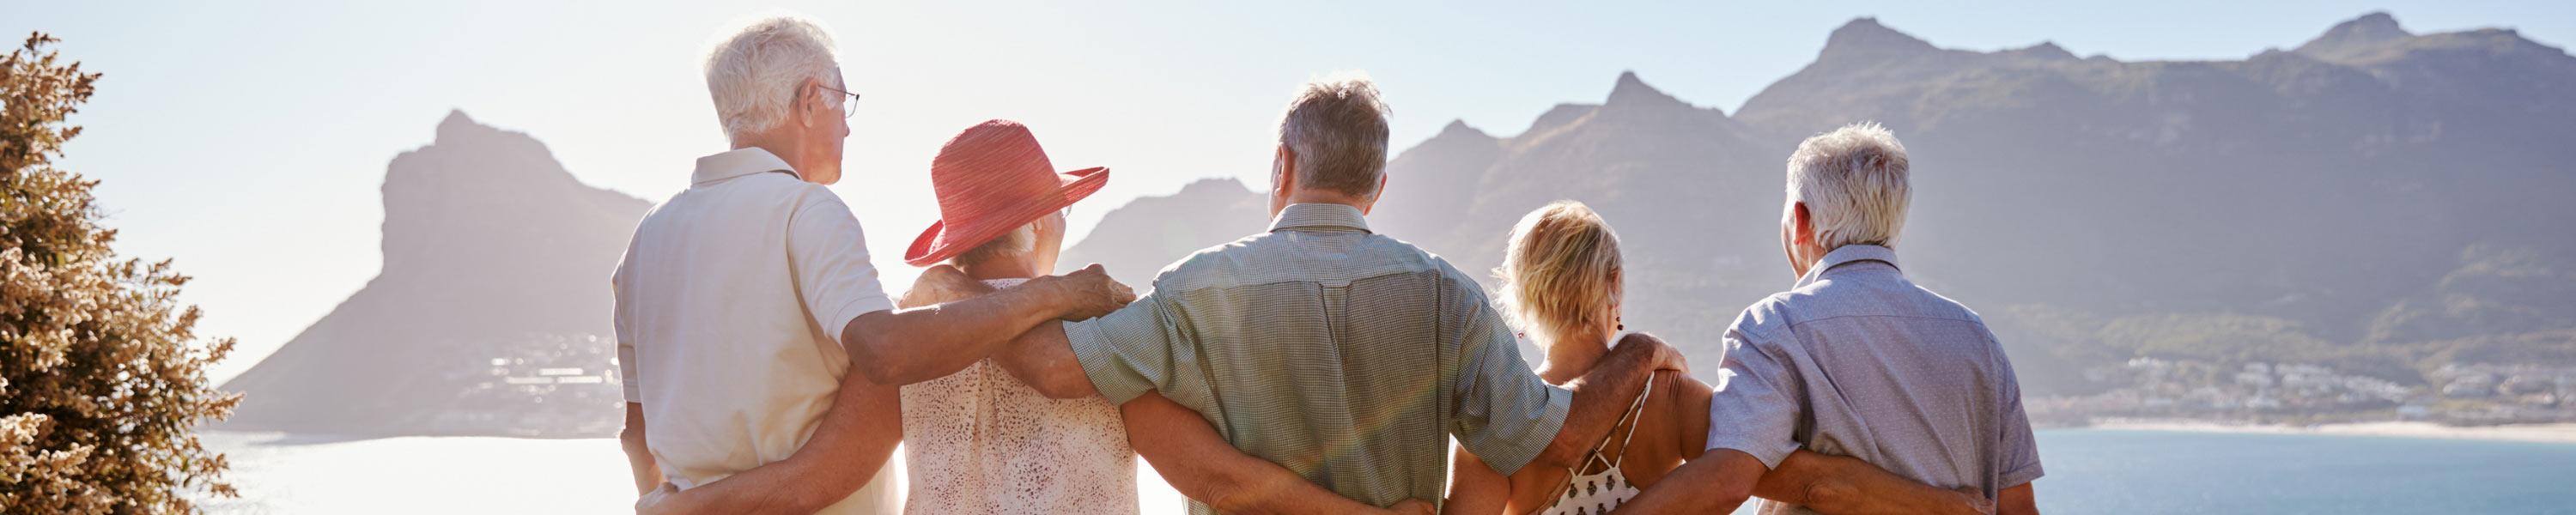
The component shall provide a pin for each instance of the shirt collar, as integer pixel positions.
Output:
(737, 163)
(1320, 216)
(1845, 255)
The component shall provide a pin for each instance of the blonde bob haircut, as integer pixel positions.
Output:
(1560, 271)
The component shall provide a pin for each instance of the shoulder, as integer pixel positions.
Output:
(1764, 319)
(803, 197)
(1944, 306)
(1206, 267)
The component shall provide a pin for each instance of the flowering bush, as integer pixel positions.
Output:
(102, 381)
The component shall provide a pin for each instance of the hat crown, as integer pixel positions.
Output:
(989, 167)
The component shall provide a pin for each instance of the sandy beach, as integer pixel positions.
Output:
(2541, 433)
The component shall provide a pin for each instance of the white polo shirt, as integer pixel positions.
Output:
(730, 305)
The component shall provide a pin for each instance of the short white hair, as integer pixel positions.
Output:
(753, 72)
(1853, 181)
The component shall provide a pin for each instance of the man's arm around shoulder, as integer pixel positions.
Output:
(1602, 395)
(914, 345)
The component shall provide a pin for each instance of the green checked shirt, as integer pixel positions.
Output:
(1348, 357)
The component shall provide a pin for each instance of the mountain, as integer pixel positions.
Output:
(2334, 204)
(2374, 211)
(490, 315)
(1150, 234)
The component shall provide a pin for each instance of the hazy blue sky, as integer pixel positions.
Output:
(249, 142)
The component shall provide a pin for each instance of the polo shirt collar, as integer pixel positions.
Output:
(737, 163)
(1323, 216)
(1845, 255)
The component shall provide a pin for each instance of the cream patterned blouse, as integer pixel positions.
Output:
(981, 442)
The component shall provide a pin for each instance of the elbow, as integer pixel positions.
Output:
(1235, 494)
(1729, 497)
(1829, 494)
(870, 356)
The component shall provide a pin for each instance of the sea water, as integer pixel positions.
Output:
(2089, 471)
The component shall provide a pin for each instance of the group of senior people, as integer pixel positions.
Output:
(1317, 367)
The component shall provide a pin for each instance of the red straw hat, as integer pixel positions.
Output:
(991, 179)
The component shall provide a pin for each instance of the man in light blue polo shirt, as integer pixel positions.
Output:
(1855, 359)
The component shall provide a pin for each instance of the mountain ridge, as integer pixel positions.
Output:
(490, 315)
(2376, 201)
(2052, 185)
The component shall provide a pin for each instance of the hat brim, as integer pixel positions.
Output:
(943, 240)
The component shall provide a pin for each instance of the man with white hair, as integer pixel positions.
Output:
(1855, 359)
(747, 306)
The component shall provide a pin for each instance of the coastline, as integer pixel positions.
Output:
(2557, 433)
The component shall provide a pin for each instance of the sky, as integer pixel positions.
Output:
(249, 142)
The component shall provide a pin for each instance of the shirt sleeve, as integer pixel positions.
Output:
(1757, 406)
(1502, 411)
(2019, 451)
(1132, 350)
(828, 254)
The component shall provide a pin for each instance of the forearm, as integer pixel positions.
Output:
(1474, 487)
(1718, 483)
(1198, 462)
(1601, 396)
(1843, 485)
(914, 345)
(847, 449)
(639, 457)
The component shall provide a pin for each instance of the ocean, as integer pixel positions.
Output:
(2089, 471)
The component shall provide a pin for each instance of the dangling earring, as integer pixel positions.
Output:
(1620, 322)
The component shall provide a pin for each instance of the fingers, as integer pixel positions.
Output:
(1121, 294)
(1667, 357)
(1098, 293)
(1413, 507)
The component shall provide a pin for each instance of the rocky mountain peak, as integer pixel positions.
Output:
(1866, 36)
(2368, 30)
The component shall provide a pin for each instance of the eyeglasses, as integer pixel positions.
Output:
(846, 105)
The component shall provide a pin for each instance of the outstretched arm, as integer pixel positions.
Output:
(919, 344)
(1718, 482)
(1190, 455)
(853, 442)
(1843, 485)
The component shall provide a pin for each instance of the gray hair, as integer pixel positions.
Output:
(1337, 127)
(1853, 181)
(753, 72)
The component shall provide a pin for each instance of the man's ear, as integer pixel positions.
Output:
(1802, 228)
(1283, 179)
(808, 98)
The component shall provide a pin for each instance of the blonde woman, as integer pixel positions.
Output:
(1561, 283)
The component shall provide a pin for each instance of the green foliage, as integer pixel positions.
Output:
(102, 380)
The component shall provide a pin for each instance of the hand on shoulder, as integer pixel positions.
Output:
(1666, 357)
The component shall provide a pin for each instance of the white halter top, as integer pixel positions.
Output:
(1599, 492)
